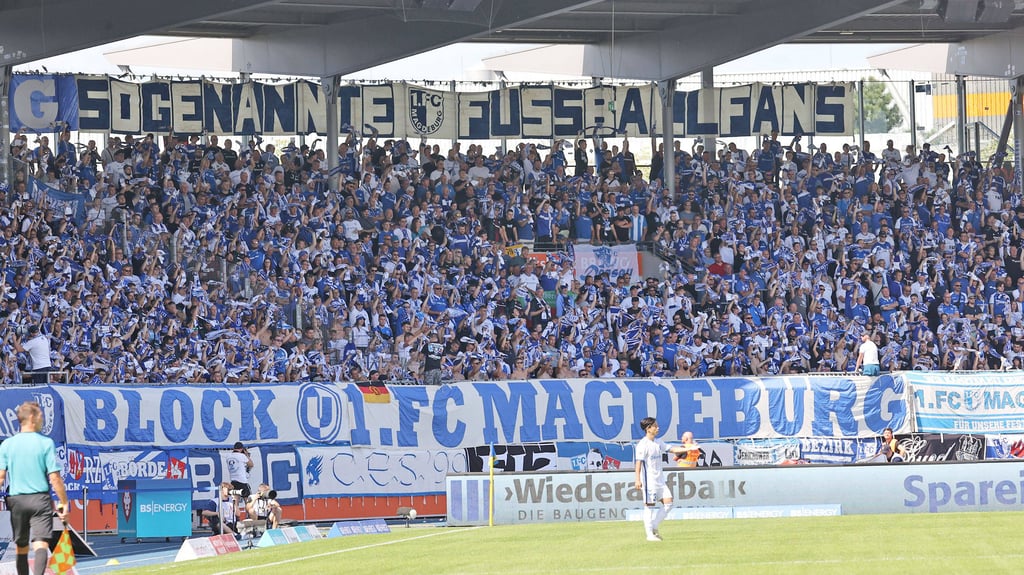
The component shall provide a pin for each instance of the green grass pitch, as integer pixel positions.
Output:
(905, 544)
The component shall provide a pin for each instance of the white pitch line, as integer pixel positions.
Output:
(125, 562)
(339, 551)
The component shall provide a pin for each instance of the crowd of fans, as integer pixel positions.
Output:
(197, 260)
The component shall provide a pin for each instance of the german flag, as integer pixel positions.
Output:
(374, 392)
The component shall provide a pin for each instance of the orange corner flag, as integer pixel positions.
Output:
(63, 558)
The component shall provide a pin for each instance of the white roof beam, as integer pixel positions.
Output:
(344, 48)
(47, 28)
(693, 46)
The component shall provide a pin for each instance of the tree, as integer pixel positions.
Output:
(882, 114)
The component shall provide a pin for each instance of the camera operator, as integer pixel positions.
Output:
(222, 506)
(239, 465)
(263, 505)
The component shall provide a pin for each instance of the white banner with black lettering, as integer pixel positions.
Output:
(352, 471)
(400, 110)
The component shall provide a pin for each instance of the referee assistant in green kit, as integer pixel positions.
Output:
(29, 459)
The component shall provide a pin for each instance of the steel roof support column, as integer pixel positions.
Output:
(6, 73)
(961, 114)
(707, 97)
(1018, 128)
(860, 106)
(667, 92)
(330, 86)
(912, 108)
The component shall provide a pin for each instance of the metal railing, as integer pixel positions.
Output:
(54, 376)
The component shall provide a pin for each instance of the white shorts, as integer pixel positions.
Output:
(655, 493)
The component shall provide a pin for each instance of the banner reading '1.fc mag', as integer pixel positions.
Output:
(481, 413)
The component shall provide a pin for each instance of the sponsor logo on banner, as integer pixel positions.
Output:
(426, 110)
(864, 489)
(157, 508)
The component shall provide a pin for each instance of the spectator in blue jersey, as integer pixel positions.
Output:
(211, 268)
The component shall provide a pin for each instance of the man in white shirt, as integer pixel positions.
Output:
(38, 349)
(479, 172)
(239, 465)
(867, 356)
(650, 478)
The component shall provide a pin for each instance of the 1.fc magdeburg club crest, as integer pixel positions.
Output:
(426, 110)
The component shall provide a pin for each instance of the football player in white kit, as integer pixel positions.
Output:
(650, 479)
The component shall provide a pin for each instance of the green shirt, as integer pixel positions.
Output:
(28, 458)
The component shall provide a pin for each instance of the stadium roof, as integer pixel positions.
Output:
(912, 21)
(654, 39)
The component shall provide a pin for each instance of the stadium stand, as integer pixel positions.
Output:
(238, 262)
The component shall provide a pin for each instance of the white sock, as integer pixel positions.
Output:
(650, 513)
(662, 514)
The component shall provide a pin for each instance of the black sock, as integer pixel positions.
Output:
(21, 563)
(39, 564)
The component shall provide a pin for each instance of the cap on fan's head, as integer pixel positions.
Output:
(239, 445)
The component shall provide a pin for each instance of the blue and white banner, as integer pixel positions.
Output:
(766, 451)
(837, 450)
(205, 416)
(99, 471)
(594, 456)
(357, 471)
(277, 466)
(49, 402)
(72, 206)
(612, 260)
(106, 104)
(482, 413)
(40, 103)
(1004, 447)
(988, 402)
